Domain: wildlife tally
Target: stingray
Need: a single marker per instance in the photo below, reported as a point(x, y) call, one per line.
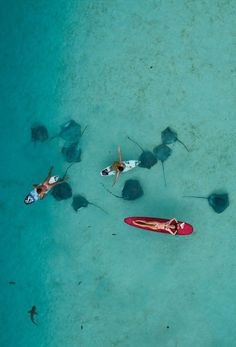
point(71, 153)
point(132, 190)
point(79, 201)
point(169, 136)
point(70, 131)
point(39, 133)
point(162, 153)
point(219, 202)
point(147, 158)
point(62, 191)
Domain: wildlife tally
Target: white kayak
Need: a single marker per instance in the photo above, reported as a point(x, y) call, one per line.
point(129, 165)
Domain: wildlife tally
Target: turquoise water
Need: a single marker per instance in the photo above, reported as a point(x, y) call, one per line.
point(124, 68)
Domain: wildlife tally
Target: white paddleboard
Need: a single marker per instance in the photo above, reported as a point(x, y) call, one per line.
point(53, 179)
point(129, 165)
point(33, 195)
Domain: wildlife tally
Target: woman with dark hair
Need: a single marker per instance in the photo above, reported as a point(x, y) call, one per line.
point(41, 189)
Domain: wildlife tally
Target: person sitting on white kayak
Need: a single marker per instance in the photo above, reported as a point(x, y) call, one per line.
point(118, 166)
point(172, 226)
point(41, 189)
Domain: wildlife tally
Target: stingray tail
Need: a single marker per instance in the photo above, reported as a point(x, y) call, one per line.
point(183, 145)
point(164, 175)
point(84, 130)
point(64, 176)
point(111, 192)
point(193, 196)
point(100, 208)
point(53, 137)
point(135, 143)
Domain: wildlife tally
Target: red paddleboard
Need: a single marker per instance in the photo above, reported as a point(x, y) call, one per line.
point(184, 228)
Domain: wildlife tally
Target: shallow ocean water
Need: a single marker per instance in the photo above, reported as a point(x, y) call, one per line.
point(124, 68)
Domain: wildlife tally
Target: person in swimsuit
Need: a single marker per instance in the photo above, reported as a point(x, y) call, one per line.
point(118, 166)
point(172, 226)
point(41, 189)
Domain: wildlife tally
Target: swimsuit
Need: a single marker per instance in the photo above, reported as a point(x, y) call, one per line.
point(34, 196)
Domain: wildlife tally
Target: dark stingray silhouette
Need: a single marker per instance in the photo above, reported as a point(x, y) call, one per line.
point(71, 153)
point(162, 153)
point(71, 131)
point(219, 202)
point(39, 133)
point(80, 201)
point(147, 158)
point(62, 191)
point(169, 136)
point(132, 190)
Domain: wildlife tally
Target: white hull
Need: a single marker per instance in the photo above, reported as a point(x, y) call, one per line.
point(129, 165)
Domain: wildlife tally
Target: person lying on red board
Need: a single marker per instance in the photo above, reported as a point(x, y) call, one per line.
point(172, 226)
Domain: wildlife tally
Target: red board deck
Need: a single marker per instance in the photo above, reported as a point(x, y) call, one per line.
point(185, 229)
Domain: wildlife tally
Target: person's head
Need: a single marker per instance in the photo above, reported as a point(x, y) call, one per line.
point(39, 190)
point(120, 168)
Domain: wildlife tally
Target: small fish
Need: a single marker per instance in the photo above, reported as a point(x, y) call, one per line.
point(11, 282)
point(32, 313)
point(81, 327)
point(113, 234)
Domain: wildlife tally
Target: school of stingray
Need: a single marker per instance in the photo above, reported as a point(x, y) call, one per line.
point(71, 132)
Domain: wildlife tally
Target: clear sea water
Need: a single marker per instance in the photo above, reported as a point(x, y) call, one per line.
point(124, 68)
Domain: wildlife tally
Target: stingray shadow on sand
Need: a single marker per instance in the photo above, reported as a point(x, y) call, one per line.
point(39, 133)
point(80, 201)
point(132, 190)
point(71, 153)
point(147, 158)
point(162, 153)
point(218, 202)
point(170, 136)
point(62, 191)
point(70, 132)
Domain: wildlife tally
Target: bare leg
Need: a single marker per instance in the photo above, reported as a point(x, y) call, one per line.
point(172, 220)
point(152, 225)
point(169, 226)
point(56, 183)
point(171, 231)
point(156, 226)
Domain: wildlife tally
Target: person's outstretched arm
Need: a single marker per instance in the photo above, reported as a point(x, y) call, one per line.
point(49, 174)
point(119, 154)
point(60, 181)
